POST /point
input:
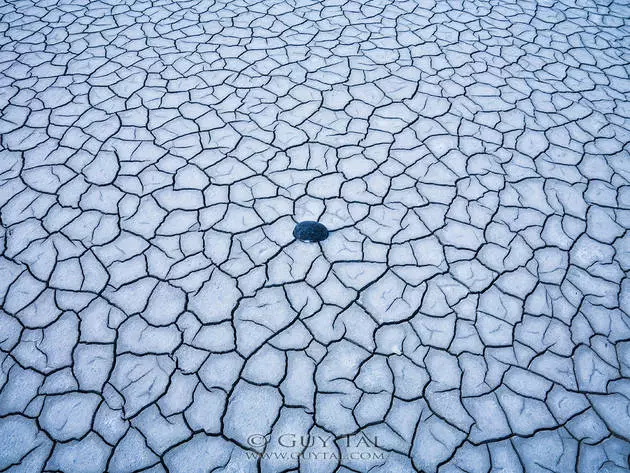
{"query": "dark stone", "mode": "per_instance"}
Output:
(310, 231)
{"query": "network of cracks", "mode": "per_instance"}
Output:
(468, 312)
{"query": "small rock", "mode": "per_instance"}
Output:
(310, 232)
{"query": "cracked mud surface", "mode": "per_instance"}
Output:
(469, 309)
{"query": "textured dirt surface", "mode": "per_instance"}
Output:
(469, 311)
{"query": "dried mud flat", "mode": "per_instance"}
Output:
(469, 311)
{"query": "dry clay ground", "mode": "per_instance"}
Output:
(468, 313)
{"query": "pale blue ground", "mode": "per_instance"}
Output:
(469, 311)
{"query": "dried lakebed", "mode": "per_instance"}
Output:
(468, 311)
